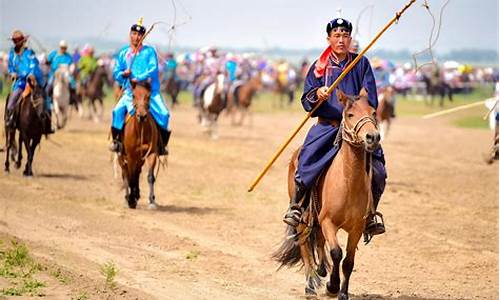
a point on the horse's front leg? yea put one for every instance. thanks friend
(19, 150)
(348, 263)
(151, 162)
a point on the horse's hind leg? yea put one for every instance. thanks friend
(348, 263)
(322, 267)
(27, 168)
(330, 234)
(151, 181)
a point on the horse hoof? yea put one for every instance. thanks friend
(132, 204)
(331, 291)
(343, 296)
(17, 165)
(152, 206)
(310, 293)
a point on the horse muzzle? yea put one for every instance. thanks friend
(371, 140)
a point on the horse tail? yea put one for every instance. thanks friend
(288, 254)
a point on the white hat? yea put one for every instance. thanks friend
(63, 44)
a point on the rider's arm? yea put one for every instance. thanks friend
(120, 67)
(311, 85)
(369, 82)
(151, 67)
(10, 64)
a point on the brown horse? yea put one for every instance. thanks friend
(240, 98)
(30, 125)
(140, 144)
(172, 88)
(93, 91)
(340, 201)
(385, 110)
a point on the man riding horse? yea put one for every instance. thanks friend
(138, 62)
(23, 65)
(55, 59)
(319, 149)
(87, 64)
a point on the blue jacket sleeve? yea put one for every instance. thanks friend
(120, 67)
(10, 66)
(369, 84)
(311, 85)
(151, 67)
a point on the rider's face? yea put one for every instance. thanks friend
(135, 38)
(339, 40)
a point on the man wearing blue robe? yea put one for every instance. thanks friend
(138, 62)
(55, 59)
(318, 149)
(23, 65)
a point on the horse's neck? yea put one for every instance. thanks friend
(353, 163)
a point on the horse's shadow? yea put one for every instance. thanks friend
(380, 297)
(63, 176)
(189, 209)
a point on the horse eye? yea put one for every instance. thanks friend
(350, 115)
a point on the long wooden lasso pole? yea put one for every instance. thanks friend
(329, 91)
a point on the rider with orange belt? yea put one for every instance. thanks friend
(318, 149)
(22, 65)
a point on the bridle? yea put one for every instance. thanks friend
(351, 135)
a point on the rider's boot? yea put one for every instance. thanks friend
(116, 144)
(294, 213)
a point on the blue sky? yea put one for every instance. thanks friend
(257, 23)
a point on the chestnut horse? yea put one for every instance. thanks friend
(30, 125)
(240, 96)
(385, 110)
(340, 201)
(140, 144)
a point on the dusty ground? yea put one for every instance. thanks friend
(210, 239)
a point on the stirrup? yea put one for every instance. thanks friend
(116, 146)
(293, 216)
(374, 226)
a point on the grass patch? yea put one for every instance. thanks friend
(81, 296)
(191, 255)
(17, 265)
(471, 122)
(109, 271)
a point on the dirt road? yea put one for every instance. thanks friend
(210, 239)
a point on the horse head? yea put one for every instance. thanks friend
(142, 94)
(359, 122)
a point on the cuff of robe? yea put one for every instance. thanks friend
(311, 96)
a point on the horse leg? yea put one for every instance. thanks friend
(17, 165)
(151, 160)
(8, 146)
(312, 281)
(330, 234)
(27, 168)
(348, 263)
(322, 267)
(134, 189)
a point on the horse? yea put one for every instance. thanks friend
(61, 95)
(140, 144)
(385, 110)
(30, 125)
(339, 201)
(94, 92)
(212, 104)
(285, 88)
(172, 88)
(240, 96)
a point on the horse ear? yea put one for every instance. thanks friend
(363, 93)
(342, 97)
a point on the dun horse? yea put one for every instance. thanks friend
(385, 111)
(30, 125)
(212, 104)
(240, 97)
(340, 201)
(140, 144)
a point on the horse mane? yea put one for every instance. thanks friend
(144, 83)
